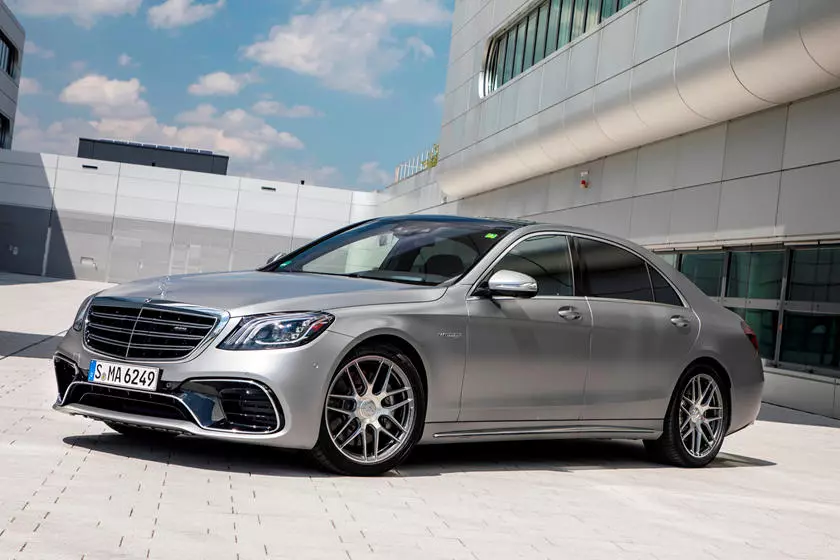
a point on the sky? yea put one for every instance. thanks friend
(336, 92)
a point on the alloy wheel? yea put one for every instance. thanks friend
(701, 417)
(370, 410)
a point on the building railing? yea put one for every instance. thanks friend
(422, 161)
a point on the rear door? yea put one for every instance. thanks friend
(641, 333)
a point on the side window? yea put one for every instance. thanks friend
(608, 271)
(662, 290)
(544, 258)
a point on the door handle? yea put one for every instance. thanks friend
(569, 313)
(680, 322)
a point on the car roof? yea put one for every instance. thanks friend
(488, 222)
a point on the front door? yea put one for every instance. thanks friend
(527, 358)
(641, 334)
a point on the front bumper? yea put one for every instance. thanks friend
(295, 380)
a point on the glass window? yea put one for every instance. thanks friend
(530, 40)
(624, 3)
(811, 340)
(611, 272)
(542, 20)
(765, 323)
(520, 48)
(5, 128)
(662, 290)
(579, 19)
(412, 251)
(553, 26)
(509, 53)
(608, 8)
(546, 260)
(670, 258)
(815, 275)
(565, 33)
(755, 275)
(593, 17)
(705, 270)
(500, 64)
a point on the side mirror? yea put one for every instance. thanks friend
(276, 257)
(512, 284)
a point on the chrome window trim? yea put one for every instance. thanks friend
(485, 274)
(222, 319)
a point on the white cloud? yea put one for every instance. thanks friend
(83, 12)
(348, 48)
(106, 97)
(180, 13)
(221, 83)
(420, 48)
(29, 86)
(31, 49)
(245, 135)
(438, 99)
(124, 60)
(276, 109)
(371, 174)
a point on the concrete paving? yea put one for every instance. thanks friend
(71, 488)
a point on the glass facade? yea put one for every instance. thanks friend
(789, 296)
(543, 30)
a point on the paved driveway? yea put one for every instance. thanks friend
(71, 488)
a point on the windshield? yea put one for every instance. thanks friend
(426, 252)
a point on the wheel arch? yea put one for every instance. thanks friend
(400, 343)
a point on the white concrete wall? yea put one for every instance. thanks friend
(654, 70)
(109, 221)
(768, 177)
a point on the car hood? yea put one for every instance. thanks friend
(246, 293)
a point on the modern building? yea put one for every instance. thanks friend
(12, 39)
(153, 155)
(707, 130)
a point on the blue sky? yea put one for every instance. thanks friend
(337, 93)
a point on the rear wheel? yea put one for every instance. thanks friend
(373, 414)
(139, 433)
(696, 422)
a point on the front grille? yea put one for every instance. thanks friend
(146, 332)
(128, 401)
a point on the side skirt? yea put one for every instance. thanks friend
(453, 432)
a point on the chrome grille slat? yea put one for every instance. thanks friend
(134, 330)
(147, 333)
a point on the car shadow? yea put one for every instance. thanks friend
(557, 456)
(27, 345)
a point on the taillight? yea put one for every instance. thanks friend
(750, 334)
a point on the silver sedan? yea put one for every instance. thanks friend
(414, 330)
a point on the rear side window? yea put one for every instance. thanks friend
(608, 271)
(662, 290)
(545, 259)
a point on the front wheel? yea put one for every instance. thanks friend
(696, 422)
(373, 413)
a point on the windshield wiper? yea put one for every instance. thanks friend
(366, 274)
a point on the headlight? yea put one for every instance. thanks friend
(81, 314)
(265, 332)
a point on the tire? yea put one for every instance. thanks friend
(683, 418)
(364, 433)
(137, 432)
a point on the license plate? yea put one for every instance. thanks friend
(123, 375)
